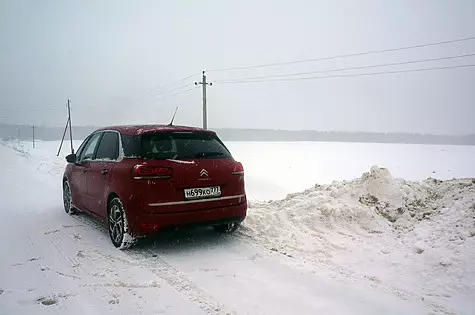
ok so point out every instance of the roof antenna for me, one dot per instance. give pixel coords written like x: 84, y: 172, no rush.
x: 173, y: 118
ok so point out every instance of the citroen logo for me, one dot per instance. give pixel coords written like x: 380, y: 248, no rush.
x: 204, y: 173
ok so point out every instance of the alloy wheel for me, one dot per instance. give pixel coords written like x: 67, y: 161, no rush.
x: 116, y: 224
x: 67, y: 199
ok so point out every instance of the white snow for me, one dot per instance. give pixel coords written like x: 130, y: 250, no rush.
x: 413, y: 238
x: 352, y: 244
x: 274, y: 169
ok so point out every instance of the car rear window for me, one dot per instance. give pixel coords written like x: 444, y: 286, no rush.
x: 181, y: 146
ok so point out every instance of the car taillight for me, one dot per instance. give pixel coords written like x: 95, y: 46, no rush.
x: 142, y: 171
x: 237, y: 168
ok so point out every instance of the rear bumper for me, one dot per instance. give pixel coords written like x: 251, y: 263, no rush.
x: 141, y: 223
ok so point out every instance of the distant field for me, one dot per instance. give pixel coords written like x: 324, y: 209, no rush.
x: 274, y: 169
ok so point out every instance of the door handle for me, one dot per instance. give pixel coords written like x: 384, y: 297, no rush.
x: 84, y: 170
x: 104, y: 171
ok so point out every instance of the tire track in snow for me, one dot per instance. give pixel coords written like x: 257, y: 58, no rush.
x: 79, y: 258
x: 187, y: 288
x: 165, y: 271
x: 57, y: 240
x: 180, y: 282
x: 183, y: 285
x: 52, y: 243
x: 345, y: 275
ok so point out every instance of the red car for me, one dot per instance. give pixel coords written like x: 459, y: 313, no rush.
x: 140, y: 179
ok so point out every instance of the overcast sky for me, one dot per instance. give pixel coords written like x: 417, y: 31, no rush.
x: 111, y: 58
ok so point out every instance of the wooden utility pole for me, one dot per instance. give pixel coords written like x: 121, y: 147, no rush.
x: 68, y: 124
x: 62, y: 139
x: 70, y: 127
x: 33, y: 127
x: 205, y: 113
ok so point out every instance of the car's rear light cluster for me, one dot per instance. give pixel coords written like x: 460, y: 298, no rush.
x: 143, y: 171
x: 237, y: 168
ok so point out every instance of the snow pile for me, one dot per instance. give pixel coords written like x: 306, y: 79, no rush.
x: 415, y: 237
x: 369, y: 204
x: 43, y: 156
x: 15, y: 144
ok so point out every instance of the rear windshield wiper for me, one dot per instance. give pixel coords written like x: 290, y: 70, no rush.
x: 208, y: 154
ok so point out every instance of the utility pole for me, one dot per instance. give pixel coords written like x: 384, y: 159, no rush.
x: 62, y: 139
x: 70, y: 127
x: 20, y: 146
x: 33, y: 136
x: 68, y: 124
x: 205, y: 113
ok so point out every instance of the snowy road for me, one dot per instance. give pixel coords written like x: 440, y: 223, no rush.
x: 52, y: 263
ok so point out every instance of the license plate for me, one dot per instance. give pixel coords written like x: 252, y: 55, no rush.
x: 202, y: 192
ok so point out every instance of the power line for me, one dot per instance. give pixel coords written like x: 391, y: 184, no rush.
x: 176, y: 81
x: 343, y: 55
x: 159, y: 93
x: 350, y: 68
x: 172, y: 90
x: 179, y: 93
x: 30, y: 109
x: 352, y: 75
x: 157, y: 99
x: 176, y: 94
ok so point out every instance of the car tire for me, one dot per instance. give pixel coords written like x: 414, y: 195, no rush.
x: 118, y: 225
x: 228, y: 228
x: 68, y: 199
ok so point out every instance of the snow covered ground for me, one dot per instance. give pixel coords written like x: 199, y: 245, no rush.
x: 274, y: 169
x: 366, y: 244
x: 409, y: 238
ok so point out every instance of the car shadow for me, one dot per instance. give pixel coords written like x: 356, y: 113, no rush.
x: 184, y: 239
x: 167, y: 240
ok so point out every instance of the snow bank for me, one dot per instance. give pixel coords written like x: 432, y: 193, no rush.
x: 414, y: 236
x: 43, y: 156
x: 16, y: 145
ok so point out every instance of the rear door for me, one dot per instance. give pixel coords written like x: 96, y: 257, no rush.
x: 186, y: 171
x: 79, y: 171
x: 100, y: 172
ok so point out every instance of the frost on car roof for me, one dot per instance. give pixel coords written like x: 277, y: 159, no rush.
x: 140, y: 129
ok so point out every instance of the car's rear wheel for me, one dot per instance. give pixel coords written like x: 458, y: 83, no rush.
x: 68, y: 199
x: 118, y: 225
x: 228, y: 228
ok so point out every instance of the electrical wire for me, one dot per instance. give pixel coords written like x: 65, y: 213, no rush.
x: 352, y: 75
x: 33, y: 108
x: 343, y: 55
x: 350, y: 68
x: 176, y: 81
x: 172, y: 90
x: 178, y: 93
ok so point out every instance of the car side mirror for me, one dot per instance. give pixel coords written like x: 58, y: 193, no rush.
x: 71, y: 158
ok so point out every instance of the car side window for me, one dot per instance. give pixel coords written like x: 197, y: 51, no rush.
x: 88, y: 151
x: 81, y: 147
x: 108, y: 147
